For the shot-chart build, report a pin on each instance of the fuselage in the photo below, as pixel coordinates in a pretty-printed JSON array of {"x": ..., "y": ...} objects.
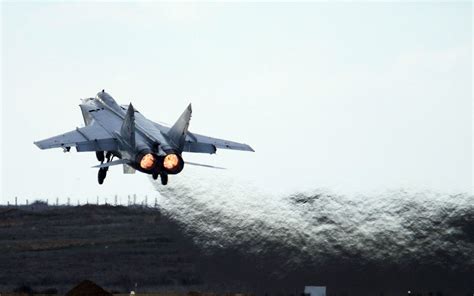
[{"x": 151, "y": 147}]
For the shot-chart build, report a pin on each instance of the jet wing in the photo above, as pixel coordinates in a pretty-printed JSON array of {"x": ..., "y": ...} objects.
[
  {"x": 89, "y": 138},
  {"x": 203, "y": 144}
]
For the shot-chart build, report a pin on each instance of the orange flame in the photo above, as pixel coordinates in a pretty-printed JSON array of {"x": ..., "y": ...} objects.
[
  {"x": 147, "y": 162},
  {"x": 171, "y": 161}
]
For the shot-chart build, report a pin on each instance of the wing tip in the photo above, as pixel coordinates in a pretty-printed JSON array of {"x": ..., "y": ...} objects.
[
  {"x": 249, "y": 148},
  {"x": 38, "y": 144}
]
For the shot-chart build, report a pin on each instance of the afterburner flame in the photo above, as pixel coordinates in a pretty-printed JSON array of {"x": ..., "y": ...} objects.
[
  {"x": 147, "y": 162},
  {"x": 171, "y": 161}
]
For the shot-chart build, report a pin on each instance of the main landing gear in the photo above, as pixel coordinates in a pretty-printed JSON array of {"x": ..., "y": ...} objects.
[
  {"x": 101, "y": 156},
  {"x": 102, "y": 174}
]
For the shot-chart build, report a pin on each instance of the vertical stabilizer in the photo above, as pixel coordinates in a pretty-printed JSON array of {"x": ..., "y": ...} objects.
[
  {"x": 177, "y": 133},
  {"x": 128, "y": 127}
]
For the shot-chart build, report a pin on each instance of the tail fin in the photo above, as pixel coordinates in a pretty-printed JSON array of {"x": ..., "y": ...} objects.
[
  {"x": 128, "y": 127},
  {"x": 177, "y": 133}
]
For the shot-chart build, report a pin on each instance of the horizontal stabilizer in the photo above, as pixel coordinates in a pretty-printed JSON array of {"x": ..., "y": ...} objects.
[
  {"x": 128, "y": 169},
  {"x": 199, "y": 147},
  {"x": 111, "y": 163},
  {"x": 196, "y": 142},
  {"x": 204, "y": 165}
]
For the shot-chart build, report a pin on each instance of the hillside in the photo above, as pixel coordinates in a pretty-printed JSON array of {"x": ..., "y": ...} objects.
[{"x": 114, "y": 246}]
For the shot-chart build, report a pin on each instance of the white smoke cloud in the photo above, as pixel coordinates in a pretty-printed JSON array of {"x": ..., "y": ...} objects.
[{"x": 398, "y": 227}]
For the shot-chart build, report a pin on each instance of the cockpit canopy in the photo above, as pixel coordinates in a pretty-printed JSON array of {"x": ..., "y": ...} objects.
[{"x": 107, "y": 100}]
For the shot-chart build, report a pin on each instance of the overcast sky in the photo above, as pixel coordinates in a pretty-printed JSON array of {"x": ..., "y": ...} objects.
[{"x": 350, "y": 97}]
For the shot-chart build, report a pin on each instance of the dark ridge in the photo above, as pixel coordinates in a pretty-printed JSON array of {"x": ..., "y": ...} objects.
[
  {"x": 116, "y": 247},
  {"x": 194, "y": 244}
]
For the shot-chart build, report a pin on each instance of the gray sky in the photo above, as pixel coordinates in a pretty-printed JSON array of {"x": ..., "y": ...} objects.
[{"x": 350, "y": 97}]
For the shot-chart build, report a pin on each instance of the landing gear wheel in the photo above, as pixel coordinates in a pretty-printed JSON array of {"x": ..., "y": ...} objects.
[
  {"x": 101, "y": 176},
  {"x": 100, "y": 156},
  {"x": 155, "y": 176},
  {"x": 164, "y": 178}
]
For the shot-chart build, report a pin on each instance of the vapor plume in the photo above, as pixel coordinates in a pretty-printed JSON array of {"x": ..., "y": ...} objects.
[{"x": 397, "y": 231}]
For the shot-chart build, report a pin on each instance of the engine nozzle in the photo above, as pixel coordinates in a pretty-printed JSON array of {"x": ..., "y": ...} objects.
[
  {"x": 147, "y": 161},
  {"x": 173, "y": 163}
]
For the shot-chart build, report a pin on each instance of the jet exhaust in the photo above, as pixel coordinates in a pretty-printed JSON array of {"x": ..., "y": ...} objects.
[
  {"x": 418, "y": 234},
  {"x": 173, "y": 163},
  {"x": 170, "y": 162},
  {"x": 147, "y": 161}
]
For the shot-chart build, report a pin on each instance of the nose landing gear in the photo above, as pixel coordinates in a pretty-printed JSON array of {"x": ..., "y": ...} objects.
[{"x": 164, "y": 178}]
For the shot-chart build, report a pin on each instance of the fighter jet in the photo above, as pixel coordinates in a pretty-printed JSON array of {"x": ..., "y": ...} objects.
[{"x": 120, "y": 131}]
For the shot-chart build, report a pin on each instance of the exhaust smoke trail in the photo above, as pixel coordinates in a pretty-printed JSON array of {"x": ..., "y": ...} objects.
[{"x": 412, "y": 233}]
